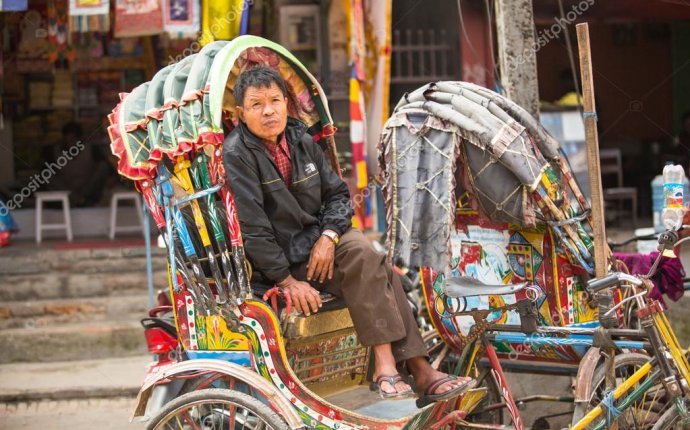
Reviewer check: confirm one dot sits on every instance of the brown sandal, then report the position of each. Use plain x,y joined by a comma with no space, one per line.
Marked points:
392,380
429,395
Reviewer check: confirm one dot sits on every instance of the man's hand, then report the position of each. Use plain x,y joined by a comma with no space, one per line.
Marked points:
304,297
321,260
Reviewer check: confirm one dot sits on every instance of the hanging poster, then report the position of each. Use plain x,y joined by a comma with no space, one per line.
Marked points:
89,15
181,18
138,18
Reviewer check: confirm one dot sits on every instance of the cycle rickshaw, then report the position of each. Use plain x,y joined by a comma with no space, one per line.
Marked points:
247,365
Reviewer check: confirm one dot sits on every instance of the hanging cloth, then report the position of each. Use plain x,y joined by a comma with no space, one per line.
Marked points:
58,34
377,68
138,18
358,135
221,19
89,15
13,5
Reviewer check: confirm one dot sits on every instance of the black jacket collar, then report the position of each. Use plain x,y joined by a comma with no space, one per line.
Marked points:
294,130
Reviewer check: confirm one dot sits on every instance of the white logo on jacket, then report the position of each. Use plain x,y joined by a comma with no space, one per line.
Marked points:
310,168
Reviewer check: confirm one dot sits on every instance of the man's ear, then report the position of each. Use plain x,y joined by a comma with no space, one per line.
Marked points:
240,113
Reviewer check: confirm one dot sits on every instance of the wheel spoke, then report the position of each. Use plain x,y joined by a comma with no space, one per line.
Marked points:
217,409
232,410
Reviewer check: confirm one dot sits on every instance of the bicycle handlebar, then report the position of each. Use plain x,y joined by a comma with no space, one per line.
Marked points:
610,280
652,236
598,284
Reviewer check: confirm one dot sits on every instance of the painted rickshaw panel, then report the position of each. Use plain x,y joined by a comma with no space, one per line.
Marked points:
260,325
500,253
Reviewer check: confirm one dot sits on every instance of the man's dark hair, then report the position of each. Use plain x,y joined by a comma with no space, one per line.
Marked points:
258,77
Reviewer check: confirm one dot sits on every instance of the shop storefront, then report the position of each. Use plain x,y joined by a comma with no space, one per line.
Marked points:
64,67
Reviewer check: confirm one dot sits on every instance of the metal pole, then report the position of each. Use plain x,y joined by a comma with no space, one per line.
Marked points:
149,262
517,56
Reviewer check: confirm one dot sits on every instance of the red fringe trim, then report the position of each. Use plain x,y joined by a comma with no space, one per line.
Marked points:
117,147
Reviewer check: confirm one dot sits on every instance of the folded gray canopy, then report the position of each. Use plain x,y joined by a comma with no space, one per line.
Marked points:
509,163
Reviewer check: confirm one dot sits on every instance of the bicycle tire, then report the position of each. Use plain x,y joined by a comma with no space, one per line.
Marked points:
252,409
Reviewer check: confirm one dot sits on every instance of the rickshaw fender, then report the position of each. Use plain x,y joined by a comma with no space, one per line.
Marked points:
584,380
244,374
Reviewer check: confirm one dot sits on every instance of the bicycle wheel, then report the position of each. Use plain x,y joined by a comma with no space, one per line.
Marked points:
212,409
491,410
671,419
642,413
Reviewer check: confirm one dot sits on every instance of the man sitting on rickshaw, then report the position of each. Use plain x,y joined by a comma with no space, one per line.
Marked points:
295,216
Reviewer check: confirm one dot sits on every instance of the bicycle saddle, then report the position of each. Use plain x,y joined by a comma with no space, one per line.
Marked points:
464,286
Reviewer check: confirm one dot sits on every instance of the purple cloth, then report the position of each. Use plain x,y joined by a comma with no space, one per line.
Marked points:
669,276
13,5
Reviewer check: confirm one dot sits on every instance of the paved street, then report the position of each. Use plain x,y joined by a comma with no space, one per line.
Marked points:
33,395
102,414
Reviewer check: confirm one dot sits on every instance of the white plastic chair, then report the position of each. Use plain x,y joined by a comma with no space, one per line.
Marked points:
53,196
125,196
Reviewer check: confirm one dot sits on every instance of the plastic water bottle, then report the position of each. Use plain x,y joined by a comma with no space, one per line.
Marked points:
657,185
657,202
672,214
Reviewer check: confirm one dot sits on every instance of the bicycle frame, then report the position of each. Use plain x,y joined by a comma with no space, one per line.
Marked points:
657,330
663,340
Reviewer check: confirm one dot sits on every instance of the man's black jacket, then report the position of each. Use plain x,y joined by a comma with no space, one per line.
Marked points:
280,225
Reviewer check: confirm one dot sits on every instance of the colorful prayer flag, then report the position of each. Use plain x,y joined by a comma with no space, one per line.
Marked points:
358,124
377,29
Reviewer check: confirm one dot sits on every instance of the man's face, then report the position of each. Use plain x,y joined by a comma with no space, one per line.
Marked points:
264,110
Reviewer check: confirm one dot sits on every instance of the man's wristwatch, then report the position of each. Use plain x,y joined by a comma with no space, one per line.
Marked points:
331,235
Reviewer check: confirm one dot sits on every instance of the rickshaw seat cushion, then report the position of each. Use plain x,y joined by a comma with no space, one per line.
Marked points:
464,286
333,316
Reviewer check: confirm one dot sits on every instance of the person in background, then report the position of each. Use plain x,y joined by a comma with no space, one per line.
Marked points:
77,168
